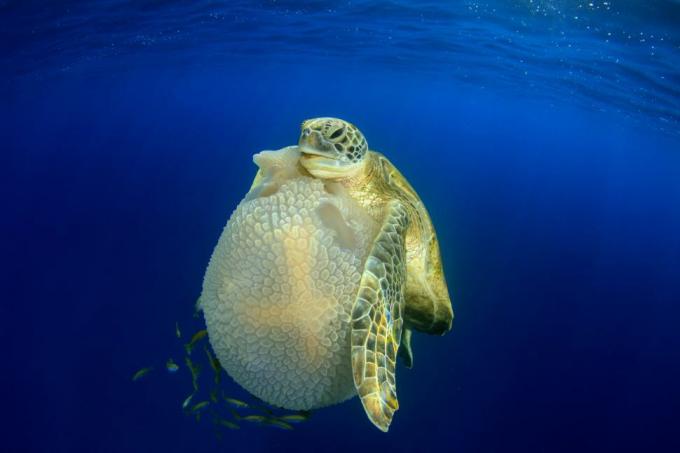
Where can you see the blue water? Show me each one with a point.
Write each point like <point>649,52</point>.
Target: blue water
<point>543,136</point>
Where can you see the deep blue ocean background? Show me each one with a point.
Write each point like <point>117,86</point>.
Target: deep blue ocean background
<point>544,137</point>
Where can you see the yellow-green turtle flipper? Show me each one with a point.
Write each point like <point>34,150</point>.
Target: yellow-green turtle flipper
<point>405,351</point>
<point>377,319</point>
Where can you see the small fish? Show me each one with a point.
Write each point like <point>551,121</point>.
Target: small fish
<point>235,414</point>
<point>141,373</point>
<point>226,423</point>
<point>254,418</point>
<point>171,366</point>
<point>187,401</point>
<point>197,308</point>
<point>280,424</point>
<point>214,364</point>
<point>200,406</point>
<point>198,336</point>
<point>213,395</point>
<point>294,418</point>
<point>236,403</point>
<point>195,372</point>
<point>178,334</point>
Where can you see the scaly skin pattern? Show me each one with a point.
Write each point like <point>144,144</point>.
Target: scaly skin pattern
<point>377,319</point>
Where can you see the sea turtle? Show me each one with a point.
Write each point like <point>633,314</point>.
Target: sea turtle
<point>321,273</point>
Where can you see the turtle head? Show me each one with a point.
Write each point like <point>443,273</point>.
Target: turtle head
<point>332,148</point>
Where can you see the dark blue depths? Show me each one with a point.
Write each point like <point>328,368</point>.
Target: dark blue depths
<point>559,228</point>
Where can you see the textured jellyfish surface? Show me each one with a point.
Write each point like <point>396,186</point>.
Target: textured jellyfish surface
<point>279,288</point>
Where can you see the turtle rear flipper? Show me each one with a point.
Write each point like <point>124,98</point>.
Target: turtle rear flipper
<point>377,319</point>
<point>405,351</point>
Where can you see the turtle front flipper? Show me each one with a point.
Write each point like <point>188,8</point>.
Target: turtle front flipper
<point>377,319</point>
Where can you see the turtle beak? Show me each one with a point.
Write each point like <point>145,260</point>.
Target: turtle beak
<point>319,163</point>
<point>310,152</point>
<point>313,144</point>
<point>312,157</point>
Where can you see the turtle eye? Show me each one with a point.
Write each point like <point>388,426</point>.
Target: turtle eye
<point>337,133</point>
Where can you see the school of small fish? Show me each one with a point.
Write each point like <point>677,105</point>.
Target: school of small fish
<point>256,413</point>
